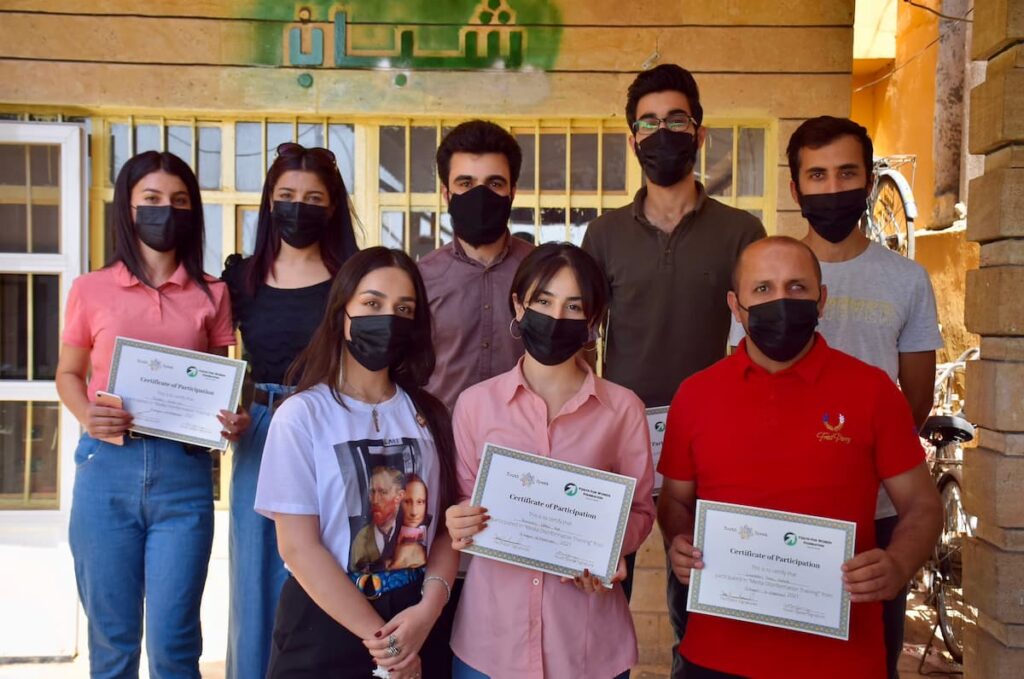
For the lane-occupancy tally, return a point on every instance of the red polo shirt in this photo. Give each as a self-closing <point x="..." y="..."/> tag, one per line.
<point x="816" y="438"/>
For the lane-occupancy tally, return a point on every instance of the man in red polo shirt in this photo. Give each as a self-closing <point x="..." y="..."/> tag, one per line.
<point x="789" y="424"/>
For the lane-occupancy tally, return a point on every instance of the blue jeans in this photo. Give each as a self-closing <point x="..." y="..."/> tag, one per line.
<point x="256" y="572"/>
<point x="141" y="531"/>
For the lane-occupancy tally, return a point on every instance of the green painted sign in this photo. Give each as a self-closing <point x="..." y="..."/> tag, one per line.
<point x="408" y="35"/>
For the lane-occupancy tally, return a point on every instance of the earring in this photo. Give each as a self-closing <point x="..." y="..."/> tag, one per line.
<point x="514" y="336"/>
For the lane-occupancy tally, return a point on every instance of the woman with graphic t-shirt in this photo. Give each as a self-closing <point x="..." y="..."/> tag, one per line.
<point x="550" y="404"/>
<point x="342" y="454"/>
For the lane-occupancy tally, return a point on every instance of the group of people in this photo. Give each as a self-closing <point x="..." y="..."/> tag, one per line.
<point x="377" y="381"/>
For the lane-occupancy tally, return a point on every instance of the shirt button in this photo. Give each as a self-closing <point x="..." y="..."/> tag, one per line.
<point x="486" y="344"/>
<point x="487" y="307"/>
<point x="536" y="581"/>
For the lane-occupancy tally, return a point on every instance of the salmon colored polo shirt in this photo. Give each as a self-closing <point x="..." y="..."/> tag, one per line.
<point x="518" y="623"/>
<point x="111" y="303"/>
<point x="816" y="438"/>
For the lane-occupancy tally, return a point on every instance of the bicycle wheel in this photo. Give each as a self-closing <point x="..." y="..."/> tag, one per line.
<point x="955" y="614"/>
<point x="895" y="230"/>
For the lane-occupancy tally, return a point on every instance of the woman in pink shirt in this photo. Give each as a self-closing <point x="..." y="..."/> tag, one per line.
<point x="513" y="621"/>
<point x="142" y="509"/>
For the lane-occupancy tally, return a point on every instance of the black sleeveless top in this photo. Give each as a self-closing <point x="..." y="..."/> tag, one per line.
<point x="276" y="323"/>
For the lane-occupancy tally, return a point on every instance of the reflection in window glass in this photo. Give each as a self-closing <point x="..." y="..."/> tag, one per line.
<point x="12" y="164"/>
<point x="423" y="143"/>
<point x="311" y="135"/>
<point x="43" y="333"/>
<point x="446" y="228"/>
<point x="120" y="148"/>
<point x="45" y="325"/>
<point x="422" y="234"/>
<point x="751" y="162"/>
<point x="392" y="229"/>
<point x="552" y="224"/>
<point x="13" y="227"/>
<point x="552" y="162"/>
<point x="249" y="219"/>
<point x="45" y="436"/>
<point x="147" y="138"/>
<point x="341" y="139"/>
<point x="527" y="142"/>
<point x="719" y="161"/>
<point x="44" y="161"/>
<point x="613" y="162"/>
<point x="277" y="134"/>
<point x="580" y="217"/>
<point x="213" y="249"/>
<point x="209" y="158"/>
<point x="248" y="154"/>
<point x="38" y="423"/>
<point x="179" y="142"/>
<point x="584" y="162"/>
<point x="522" y="223"/>
<point x="392" y="160"/>
<point x="45" y="228"/>
<point x="14" y="320"/>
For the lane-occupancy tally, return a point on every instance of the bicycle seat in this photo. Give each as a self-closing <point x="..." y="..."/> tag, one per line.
<point x="946" y="428"/>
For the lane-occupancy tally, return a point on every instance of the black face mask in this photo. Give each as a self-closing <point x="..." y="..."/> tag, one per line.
<point x="834" y="215"/>
<point x="162" y="227"/>
<point x="783" y="327"/>
<point x="479" y="216"/>
<point x="299" y="224"/>
<point x="379" y="342"/>
<point x="552" y="340"/>
<point x="667" y="157"/>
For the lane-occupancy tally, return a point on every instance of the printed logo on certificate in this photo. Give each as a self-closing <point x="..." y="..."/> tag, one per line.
<point x="772" y="568"/>
<point x="550" y="515"/>
<point x="657" y="419"/>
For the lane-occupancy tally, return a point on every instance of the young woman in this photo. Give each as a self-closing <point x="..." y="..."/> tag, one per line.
<point x="516" y="622"/>
<point x="142" y="513"/>
<point x="278" y="296"/>
<point x="341" y="456"/>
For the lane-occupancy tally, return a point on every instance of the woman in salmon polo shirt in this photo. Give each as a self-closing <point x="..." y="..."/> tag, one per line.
<point x="513" y="621"/>
<point x="278" y="297"/>
<point x="142" y="513"/>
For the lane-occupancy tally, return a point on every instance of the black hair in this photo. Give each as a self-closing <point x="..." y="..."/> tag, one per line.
<point x="661" y="79"/>
<point x="822" y="131"/>
<point x="541" y="265"/>
<point x="338" y="241"/>
<point x="478" y="137"/>
<point x="189" y="250"/>
<point x="320" y="362"/>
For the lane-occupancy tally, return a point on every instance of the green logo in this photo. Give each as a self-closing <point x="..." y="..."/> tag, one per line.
<point x="659" y="426"/>
<point x="571" y="489"/>
<point x="789" y="538"/>
<point x="191" y="371"/>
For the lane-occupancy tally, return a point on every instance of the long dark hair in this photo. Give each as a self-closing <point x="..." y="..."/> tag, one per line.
<point x="541" y="265"/>
<point x="320" y="362"/>
<point x="189" y="251"/>
<point x="338" y="242"/>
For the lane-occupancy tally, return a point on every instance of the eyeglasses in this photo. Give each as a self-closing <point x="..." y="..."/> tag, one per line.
<point x="290" y="148"/>
<point x="674" y="122"/>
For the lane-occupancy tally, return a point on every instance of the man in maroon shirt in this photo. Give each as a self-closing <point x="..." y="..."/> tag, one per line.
<point x="468" y="279"/>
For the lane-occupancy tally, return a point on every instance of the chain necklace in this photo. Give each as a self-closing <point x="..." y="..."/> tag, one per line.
<point x="361" y="395"/>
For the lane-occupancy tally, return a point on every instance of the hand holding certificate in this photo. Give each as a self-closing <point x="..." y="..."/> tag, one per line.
<point x="772" y="568"/>
<point x="175" y="393"/>
<point x="550" y="515"/>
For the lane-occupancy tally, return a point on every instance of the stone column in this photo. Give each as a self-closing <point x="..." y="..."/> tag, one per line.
<point x="994" y="471"/>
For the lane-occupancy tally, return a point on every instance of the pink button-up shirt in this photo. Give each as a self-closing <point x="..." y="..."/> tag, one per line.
<point x="517" y="622"/>
<point x="111" y="302"/>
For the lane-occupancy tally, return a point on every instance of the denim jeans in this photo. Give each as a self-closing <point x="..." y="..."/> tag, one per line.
<point x="141" y="532"/>
<point x="256" y="572"/>
<point x="676" y="594"/>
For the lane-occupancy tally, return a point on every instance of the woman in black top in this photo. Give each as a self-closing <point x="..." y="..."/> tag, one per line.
<point x="278" y="297"/>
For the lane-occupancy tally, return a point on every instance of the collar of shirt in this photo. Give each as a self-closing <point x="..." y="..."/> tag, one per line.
<point x="641" y="196"/>
<point x="513" y="385"/>
<point x="807" y="368"/>
<point x="127" y="279"/>
<point x="459" y="253"/>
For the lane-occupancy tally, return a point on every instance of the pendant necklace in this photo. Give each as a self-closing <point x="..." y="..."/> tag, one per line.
<point x="373" y="406"/>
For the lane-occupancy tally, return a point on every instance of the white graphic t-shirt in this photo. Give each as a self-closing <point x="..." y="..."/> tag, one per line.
<point x="376" y="493"/>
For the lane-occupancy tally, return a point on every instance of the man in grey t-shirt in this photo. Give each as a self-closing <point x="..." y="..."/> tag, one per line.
<point x="881" y="307"/>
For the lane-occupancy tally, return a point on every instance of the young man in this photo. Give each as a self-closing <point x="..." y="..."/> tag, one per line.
<point x="468" y="280"/>
<point x="788" y="423"/>
<point x="668" y="257"/>
<point x="881" y="307"/>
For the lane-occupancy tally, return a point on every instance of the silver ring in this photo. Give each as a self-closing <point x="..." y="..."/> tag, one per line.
<point x="392" y="640"/>
<point x="393" y="651"/>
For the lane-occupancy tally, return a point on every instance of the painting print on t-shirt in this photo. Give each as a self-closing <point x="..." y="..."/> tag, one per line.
<point x="390" y="533"/>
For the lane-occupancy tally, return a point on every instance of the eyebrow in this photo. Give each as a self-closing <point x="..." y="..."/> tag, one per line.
<point x="469" y="177"/>
<point x="845" y="166"/>
<point x="575" y="298"/>
<point x="650" y="114"/>
<point x="381" y="295"/>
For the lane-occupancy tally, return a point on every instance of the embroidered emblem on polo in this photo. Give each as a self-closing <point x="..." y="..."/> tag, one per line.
<point x="832" y="431"/>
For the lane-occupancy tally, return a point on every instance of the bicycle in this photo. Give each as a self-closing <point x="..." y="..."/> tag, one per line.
<point x="891" y="209"/>
<point x="942" y="577"/>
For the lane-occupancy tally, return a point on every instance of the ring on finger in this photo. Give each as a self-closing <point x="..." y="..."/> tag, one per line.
<point x="392" y="640"/>
<point x="394" y="651"/>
